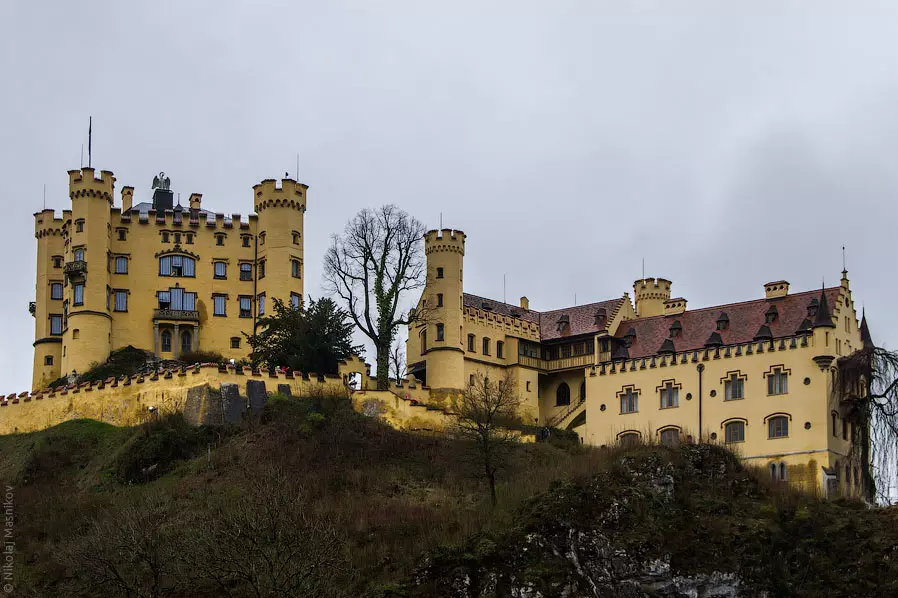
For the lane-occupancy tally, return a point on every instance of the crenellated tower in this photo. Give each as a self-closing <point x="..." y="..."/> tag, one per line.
<point x="87" y="334"/>
<point x="279" y="242"/>
<point x="650" y="295"/>
<point x="48" y="303"/>
<point x="443" y="310"/>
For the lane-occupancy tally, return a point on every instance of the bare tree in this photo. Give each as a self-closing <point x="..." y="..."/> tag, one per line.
<point x="865" y="393"/>
<point x="397" y="361"/>
<point x="379" y="257"/>
<point x="483" y="412"/>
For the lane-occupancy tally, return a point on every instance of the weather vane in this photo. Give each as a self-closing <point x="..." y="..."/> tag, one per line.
<point x="161" y="181"/>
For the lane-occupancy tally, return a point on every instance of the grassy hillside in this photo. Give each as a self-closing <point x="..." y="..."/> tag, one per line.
<point x="315" y="500"/>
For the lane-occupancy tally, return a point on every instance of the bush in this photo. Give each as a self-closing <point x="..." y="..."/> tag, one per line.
<point x="121" y="362"/>
<point x="201" y="357"/>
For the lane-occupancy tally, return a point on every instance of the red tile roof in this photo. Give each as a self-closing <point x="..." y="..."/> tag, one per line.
<point x="745" y="319"/>
<point x="504" y="309"/>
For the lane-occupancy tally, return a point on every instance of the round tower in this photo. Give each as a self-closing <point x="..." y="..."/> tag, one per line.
<point x="87" y="336"/>
<point x="279" y="240"/>
<point x="443" y="311"/>
<point x="47" y="305"/>
<point x="650" y="295"/>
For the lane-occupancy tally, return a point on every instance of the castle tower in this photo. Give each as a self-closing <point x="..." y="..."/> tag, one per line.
<point x="88" y="326"/>
<point x="279" y="243"/>
<point x="650" y="295"/>
<point x="47" y="306"/>
<point x="443" y="312"/>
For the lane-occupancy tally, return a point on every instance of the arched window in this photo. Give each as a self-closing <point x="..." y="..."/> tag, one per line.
<point x="735" y="432"/>
<point x="670" y="436"/>
<point x="783" y="471"/>
<point x="628" y="439"/>
<point x="778" y="427"/>
<point x="563" y="395"/>
<point x="177" y="265"/>
<point x="186" y="344"/>
<point x="166" y="341"/>
<point x="582" y="391"/>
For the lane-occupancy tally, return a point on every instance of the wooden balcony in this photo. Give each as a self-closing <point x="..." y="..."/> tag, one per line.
<point x="182" y="315"/>
<point x="555" y="365"/>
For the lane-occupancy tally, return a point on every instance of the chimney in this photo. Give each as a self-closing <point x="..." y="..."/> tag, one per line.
<point x="127" y="198"/>
<point x="673" y="307"/>
<point x="525" y="303"/>
<point x="195" y="200"/>
<point x="776" y="289"/>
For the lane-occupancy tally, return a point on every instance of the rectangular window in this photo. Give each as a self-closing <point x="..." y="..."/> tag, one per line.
<point x="733" y="388"/>
<point x="55" y="290"/>
<point x="778" y="427"/>
<point x="261" y="305"/>
<point x="565" y="351"/>
<point x="262" y="239"/>
<point x="178" y="238"/>
<point x="219" y="303"/>
<point x="777" y="382"/>
<point x="500" y="350"/>
<point x="439" y="272"/>
<point x="57" y="262"/>
<point x="48" y="360"/>
<point x="235" y="342"/>
<point x="121" y="301"/>
<point x="245" y="241"/>
<point x="79" y="295"/>
<point x="165" y="237"/>
<point x="121" y="234"/>
<point x="670" y="396"/>
<point x="735" y="432"/>
<point x="190" y="238"/>
<point x="629" y="401"/>
<point x="219" y="240"/>
<point x="246" y="271"/>
<point x="246" y="307"/>
<point x="294" y="268"/>
<point x="471" y="343"/>
<point x="439" y="300"/>
<point x="670" y="437"/>
<point x="486" y="346"/>
<point x="55" y="324"/>
<point x="296" y="238"/>
<point x="121" y="265"/>
<point x="295" y="300"/>
<point x="441" y="330"/>
<point x="261" y="269"/>
<point x="78" y="254"/>
<point x="164" y="299"/>
<point x="79" y="226"/>
<point x="221" y="270"/>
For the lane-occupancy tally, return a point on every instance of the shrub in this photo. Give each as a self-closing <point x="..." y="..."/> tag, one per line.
<point x="121" y="362"/>
<point x="201" y="357"/>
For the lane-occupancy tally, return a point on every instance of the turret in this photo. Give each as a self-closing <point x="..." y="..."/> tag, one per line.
<point x="650" y="295"/>
<point x="127" y="199"/>
<point x="281" y="209"/>
<point x="87" y="334"/>
<point x="195" y="201"/>
<point x="47" y="306"/>
<point x="444" y="349"/>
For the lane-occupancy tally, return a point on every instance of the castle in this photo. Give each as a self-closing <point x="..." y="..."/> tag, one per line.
<point x="155" y="274"/>
<point x="756" y="375"/>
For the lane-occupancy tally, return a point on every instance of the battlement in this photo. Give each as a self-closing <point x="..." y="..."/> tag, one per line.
<point x="46" y="223"/>
<point x="83" y="183"/>
<point x="651" y="285"/>
<point x="650" y="295"/>
<point x="290" y="194"/>
<point x="172" y="219"/>
<point x="446" y="239"/>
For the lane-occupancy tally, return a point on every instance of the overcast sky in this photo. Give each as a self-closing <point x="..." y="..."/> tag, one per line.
<point x="728" y="144"/>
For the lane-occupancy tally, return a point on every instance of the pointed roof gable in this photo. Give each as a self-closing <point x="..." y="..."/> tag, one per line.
<point x="824" y="317"/>
<point x="866" y="338"/>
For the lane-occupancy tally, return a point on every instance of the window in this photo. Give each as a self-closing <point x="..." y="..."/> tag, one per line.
<point x="235" y="342"/>
<point x="121" y="265"/>
<point x="261" y="305"/>
<point x="295" y="301"/>
<point x="57" y="261"/>
<point x="190" y="238"/>
<point x="778" y="427"/>
<point x="55" y="324"/>
<point x="296" y="237"/>
<point x="733" y="388"/>
<point x="76" y="333"/>
<point x="582" y="391"/>
<point x="177" y="265"/>
<point x="79" y="226"/>
<point x="108" y="298"/>
<point x="122" y="234"/>
<point x="440" y="332"/>
<point x="526" y="349"/>
<point x="770" y="316"/>
<point x="500" y="350"/>
<point x="261" y="238"/>
<point x="563" y="395"/>
<point x="471" y="380"/>
<point x="121" y="300"/>
<point x="219" y="305"/>
<point x="844" y="429"/>
<point x="246" y="271"/>
<point x="675" y="329"/>
<point x="221" y="270"/>
<point x="471" y="343"/>
<point x="294" y="269"/>
<point x="261" y="269"/>
<point x="528" y="385"/>
<point x="178" y="238"/>
<point x="847" y="322"/>
<point x="486" y="346"/>
<point x="628" y="439"/>
<point x="439" y="300"/>
<point x="245" y="239"/>
<point x="48" y="360"/>
<point x="670" y="396"/>
<point x="79" y="294"/>
<point x="165" y="237"/>
<point x="176" y="299"/>
<point x="78" y="254"/>
<point x="834" y="415"/>
<point x="186" y="337"/>
<point x="670" y="437"/>
<point x="778" y="472"/>
<point x="565" y="351"/>
<point x="778" y="382"/>
<point x="166" y="341"/>
<point x="439" y="272"/>
<point x="734" y="432"/>
<point x="55" y="290"/>
<point x="423" y="342"/>
<point x="629" y="401"/>
<point x="219" y="240"/>
<point x="246" y="307"/>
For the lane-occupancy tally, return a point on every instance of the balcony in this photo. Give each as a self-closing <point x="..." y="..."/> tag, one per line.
<point x="180" y="315"/>
<point x="554" y="365"/>
<point x="32" y="307"/>
<point x="75" y="270"/>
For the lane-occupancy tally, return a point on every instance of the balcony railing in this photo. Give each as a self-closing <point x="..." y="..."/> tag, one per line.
<point x="563" y="363"/>
<point x="176" y="314"/>
<point x="75" y="269"/>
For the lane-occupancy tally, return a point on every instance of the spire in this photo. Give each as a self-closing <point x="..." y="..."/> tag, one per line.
<point x="823" y="318"/>
<point x="865" y="332"/>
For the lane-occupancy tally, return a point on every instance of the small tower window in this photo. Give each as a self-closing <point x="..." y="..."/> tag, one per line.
<point x="121" y="265"/>
<point x="48" y="360"/>
<point x="245" y="239"/>
<point x="78" y="294"/>
<point x="294" y="269"/>
<point x="219" y="240"/>
<point x="262" y="269"/>
<point x="122" y="234"/>
<point x="500" y="350"/>
<point x="723" y="321"/>
<point x="78" y="254"/>
<point x="486" y="346"/>
<point x="771" y="315"/>
<point x="235" y="342"/>
<point x="676" y="329"/>
<point x="471" y="343"/>
<point x="441" y="332"/>
<point x="439" y="300"/>
<point x="190" y="238"/>
<point x="79" y="226"/>
<point x="165" y="237"/>
<point x="261" y="238"/>
<point x="296" y="238"/>
<point x="57" y="261"/>
<point x="56" y="290"/>
<point x="439" y="273"/>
